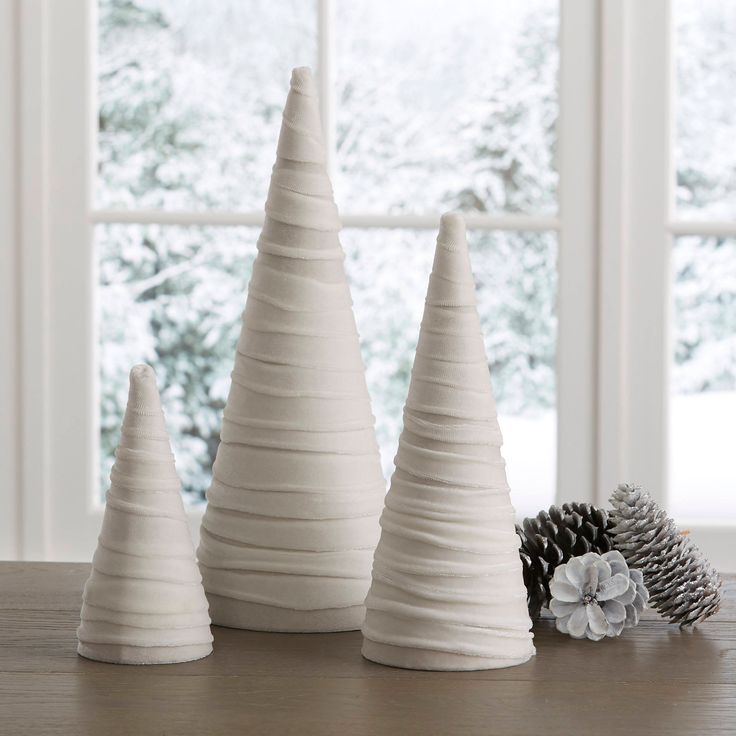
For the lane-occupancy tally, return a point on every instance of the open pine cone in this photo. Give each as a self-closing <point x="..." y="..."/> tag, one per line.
<point x="596" y="595"/>
<point x="551" y="538"/>
<point x="683" y="586"/>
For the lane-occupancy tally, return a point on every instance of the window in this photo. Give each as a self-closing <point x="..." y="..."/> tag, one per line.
<point x="189" y="99"/>
<point x="703" y="381"/>
<point x="588" y="143"/>
<point x="666" y="254"/>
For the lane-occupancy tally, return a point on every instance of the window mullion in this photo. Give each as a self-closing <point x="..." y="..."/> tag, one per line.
<point x="326" y="77"/>
<point x="612" y="226"/>
<point x="222" y="218"/>
<point x="34" y="278"/>
<point x="71" y="522"/>
<point x="722" y="228"/>
<point x="646" y="246"/>
<point x="576" y="345"/>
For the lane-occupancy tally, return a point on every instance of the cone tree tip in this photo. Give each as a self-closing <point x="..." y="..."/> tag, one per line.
<point x="143" y="388"/>
<point x="141" y="372"/>
<point x="452" y="231"/>
<point x="302" y="81"/>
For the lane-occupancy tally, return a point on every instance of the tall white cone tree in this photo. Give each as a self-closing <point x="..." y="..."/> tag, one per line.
<point x="447" y="590"/>
<point x="292" y="520"/>
<point x="144" y="602"/>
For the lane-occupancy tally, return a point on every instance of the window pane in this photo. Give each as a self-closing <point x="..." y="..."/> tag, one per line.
<point x="190" y="96"/>
<point x="516" y="280"/>
<point x="706" y="108"/>
<point x="171" y="297"/>
<point x="446" y="104"/>
<point x="702" y="471"/>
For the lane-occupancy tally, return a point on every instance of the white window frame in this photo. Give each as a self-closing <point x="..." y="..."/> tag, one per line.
<point x="607" y="358"/>
<point x="638" y="225"/>
<point x="10" y="520"/>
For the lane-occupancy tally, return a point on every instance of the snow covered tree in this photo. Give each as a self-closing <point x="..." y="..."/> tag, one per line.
<point x="511" y="129"/>
<point x="509" y="165"/>
<point x="705" y="314"/>
<point x="705" y="108"/>
<point x="190" y="96"/>
<point x="704" y="269"/>
<point x="167" y="295"/>
<point x="482" y="142"/>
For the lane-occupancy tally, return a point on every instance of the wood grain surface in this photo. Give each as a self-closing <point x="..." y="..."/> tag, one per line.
<point x="655" y="679"/>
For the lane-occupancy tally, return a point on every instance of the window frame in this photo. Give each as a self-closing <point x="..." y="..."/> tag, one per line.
<point x="638" y="225"/>
<point x="9" y="297"/>
<point x="612" y="387"/>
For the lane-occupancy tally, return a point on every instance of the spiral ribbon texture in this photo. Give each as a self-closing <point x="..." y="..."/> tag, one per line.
<point x="447" y="589"/>
<point x="292" y="516"/>
<point x="144" y="602"/>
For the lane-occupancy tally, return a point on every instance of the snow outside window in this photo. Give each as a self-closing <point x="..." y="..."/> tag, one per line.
<point x="462" y="115"/>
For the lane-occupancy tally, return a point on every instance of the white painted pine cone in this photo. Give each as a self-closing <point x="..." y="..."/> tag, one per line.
<point x="595" y="596"/>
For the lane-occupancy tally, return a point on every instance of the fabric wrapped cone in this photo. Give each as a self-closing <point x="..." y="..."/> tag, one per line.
<point x="447" y="590"/>
<point x="292" y="519"/>
<point x="144" y="602"/>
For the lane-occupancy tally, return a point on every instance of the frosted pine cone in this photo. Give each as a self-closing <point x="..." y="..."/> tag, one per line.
<point x="551" y="538"/>
<point x="683" y="586"/>
<point x="595" y="596"/>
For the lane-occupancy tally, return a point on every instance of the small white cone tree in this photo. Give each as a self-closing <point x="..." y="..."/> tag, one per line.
<point x="447" y="590"/>
<point x="292" y="518"/>
<point x="144" y="602"/>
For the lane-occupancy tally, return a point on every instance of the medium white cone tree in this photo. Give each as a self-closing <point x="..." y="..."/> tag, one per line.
<point x="447" y="590"/>
<point x="292" y="518"/>
<point x="144" y="602"/>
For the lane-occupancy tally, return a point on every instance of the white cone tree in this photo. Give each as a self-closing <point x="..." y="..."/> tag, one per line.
<point x="447" y="590"/>
<point x="144" y="602"/>
<point x="292" y="518"/>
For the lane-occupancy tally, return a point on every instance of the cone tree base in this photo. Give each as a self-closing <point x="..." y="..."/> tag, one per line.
<point x="427" y="659"/>
<point x="237" y="614"/>
<point x="126" y="654"/>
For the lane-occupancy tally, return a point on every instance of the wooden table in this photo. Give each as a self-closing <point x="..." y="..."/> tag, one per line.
<point x="655" y="679"/>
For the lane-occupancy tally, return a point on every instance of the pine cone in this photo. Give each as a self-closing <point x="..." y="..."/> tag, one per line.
<point x="597" y="595"/>
<point x="551" y="538"/>
<point x="683" y="586"/>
